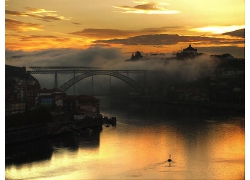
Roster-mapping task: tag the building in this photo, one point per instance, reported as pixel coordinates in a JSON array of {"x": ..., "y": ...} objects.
[
  {"x": 50, "y": 98},
  {"x": 190, "y": 49},
  {"x": 69, "y": 103},
  {"x": 45, "y": 100},
  {"x": 88, "y": 105},
  {"x": 31, "y": 95},
  {"x": 228, "y": 86},
  {"x": 59, "y": 104},
  {"x": 14, "y": 70},
  {"x": 14, "y": 107},
  {"x": 84, "y": 105},
  {"x": 187, "y": 53},
  {"x": 135, "y": 56},
  {"x": 20, "y": 86}
]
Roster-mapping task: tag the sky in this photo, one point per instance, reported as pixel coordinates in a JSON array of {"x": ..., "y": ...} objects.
[{"x": 125, "y": 26}]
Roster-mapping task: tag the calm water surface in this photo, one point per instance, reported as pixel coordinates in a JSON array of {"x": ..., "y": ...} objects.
[{"x": 201, "y": 147}]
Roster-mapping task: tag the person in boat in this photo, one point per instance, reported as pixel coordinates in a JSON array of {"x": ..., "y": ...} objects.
[{"x": 169, "y": 159}]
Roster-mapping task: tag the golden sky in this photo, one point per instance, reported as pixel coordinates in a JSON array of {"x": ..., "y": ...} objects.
[{"x": 130, "y": 25}]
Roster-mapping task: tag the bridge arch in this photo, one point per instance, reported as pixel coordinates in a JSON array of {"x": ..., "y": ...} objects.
[{"x": 120, "y": 76}]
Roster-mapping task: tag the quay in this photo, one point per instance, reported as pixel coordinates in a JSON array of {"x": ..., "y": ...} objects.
[
  {"x": 75, "y": 126},
  {"x": 30, "y": 133}
]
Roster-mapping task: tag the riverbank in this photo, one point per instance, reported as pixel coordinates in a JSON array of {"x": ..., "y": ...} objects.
[
  {"x": 208, "y": 104},
  {"x": 213, "y": 106},
  {"x": 25, "y": 133},
  {"x": 30, "y": 133}
]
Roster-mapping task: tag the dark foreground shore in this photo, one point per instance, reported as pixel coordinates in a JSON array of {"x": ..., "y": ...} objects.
[{"x": 30, "y": 133}]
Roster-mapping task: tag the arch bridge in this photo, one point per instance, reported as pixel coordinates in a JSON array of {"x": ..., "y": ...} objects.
[{"x": 90, "y": 73}]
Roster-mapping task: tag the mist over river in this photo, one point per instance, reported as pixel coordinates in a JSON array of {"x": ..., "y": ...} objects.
[{"x": 203, "y": 144}]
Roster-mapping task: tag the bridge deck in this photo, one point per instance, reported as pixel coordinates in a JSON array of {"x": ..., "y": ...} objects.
[{"x": 67, "y": 71}]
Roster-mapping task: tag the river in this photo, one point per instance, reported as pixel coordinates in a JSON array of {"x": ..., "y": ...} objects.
[{"x": 202, "y": 145}]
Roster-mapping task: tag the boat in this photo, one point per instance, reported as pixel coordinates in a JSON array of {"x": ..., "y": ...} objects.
[
  {"x": 169, "y": 159},
  {"x": 111, "y": 120}
]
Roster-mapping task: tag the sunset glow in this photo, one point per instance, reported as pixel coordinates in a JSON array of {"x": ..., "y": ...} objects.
[
  {"x": 147, "y": 8},
  {"x": 218, "y": 29},
  {"x": 147, "y": 26}
]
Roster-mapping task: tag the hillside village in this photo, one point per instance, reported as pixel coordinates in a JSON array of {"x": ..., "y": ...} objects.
[
  {"x": 23, "y": 94},
  {"x": 225, "y": 84}
]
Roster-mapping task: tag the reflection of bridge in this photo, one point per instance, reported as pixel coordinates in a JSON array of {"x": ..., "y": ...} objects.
[{"x": 90, "y": 73}]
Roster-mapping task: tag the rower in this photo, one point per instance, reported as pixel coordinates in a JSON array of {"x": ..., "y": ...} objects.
[{"x": 169, "y": 159}]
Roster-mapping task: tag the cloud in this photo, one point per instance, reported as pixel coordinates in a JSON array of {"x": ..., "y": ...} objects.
[
  {"x": 40, "y": 14},
  {"x": 236, "y": 33},
  {"x": 38, "y": 10},
  {"x": 106, "y": 58},
  {"x": 14, "y": 25},
  {"x": 24, "y": 42},
  {"x": 147, "y": 8},
  {"x": 148, "y": 36},
  {"x": 36, "y": 37},
  {"x": 102, "y": 33},
  {"x": 94, "y": 56},
  {"x": 15, "y": 13},
  {"x": 51, "y": 18},
  {"x": 117, "y": 33},
  {"x": 75, "y": 23},
  {"x": 159, "y": 39}
]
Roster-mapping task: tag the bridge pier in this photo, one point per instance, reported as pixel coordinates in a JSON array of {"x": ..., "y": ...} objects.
[
  {"x": 110, "y": 85},
  {"x": 74, "y": 84},
  {"x": 145, "y": 77},
  {"x": 56, "y": 81},
  {"x": 92, "y": 88}
]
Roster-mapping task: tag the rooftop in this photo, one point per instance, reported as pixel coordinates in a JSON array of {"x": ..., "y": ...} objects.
[{"x": 190, "y": 48}]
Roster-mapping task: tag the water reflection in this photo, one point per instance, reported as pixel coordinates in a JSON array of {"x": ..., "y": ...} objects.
[
  {"x": 28, "y": 152},
  {"x": 74, "y": 142},
  {"x": 47, "y": 157},
  {"x": 201, "y": 147},
  {"x": 44, "y": 149}
]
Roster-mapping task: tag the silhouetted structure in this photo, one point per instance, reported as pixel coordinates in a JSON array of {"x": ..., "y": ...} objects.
[
  {"x": 20, "y": 88},
  {"x": 135, "y": 56},
  {"x": 188, "y": 53},
  {"x": 88, "y": 106},
  {"x": 226, "y": 56}
]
